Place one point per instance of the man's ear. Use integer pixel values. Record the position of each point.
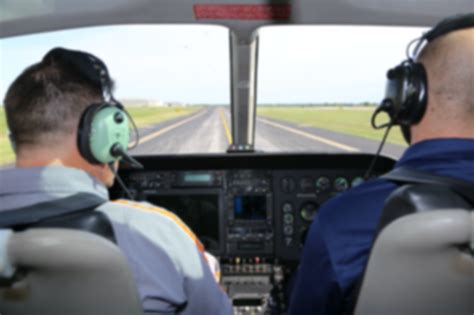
(12, 141)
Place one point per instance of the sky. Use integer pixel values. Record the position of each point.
(190, 64)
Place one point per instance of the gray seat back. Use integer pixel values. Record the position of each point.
(421, 264)
(60, 271)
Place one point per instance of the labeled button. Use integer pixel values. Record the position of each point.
(288, 230)
(288, 218)
(288, 184)
(287, 207)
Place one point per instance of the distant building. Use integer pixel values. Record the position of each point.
(176, 104)
(143, 103)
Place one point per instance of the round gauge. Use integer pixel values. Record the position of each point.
(341, 184)
(308, 211)
(306, 184)
(357, 181)
(288, 184)
(323, 183)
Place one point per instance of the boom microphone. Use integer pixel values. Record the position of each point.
(118, 151)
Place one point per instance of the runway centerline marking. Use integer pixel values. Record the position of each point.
(310, 136)
(226, 127)
(158, 133)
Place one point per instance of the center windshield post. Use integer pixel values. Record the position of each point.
(244, 54)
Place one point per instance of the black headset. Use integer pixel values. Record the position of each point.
(104, 127)
(406, 94)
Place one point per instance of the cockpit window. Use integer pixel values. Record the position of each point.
(318, 86)
(174, 80)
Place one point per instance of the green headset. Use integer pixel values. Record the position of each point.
(406, 94)
(104, 128)
(103, 133)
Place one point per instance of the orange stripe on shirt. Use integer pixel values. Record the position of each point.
(167, 214)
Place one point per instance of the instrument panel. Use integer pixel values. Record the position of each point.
(252, 211)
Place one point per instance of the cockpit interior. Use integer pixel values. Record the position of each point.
(228, 153)
(252, 211)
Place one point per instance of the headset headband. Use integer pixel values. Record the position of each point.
(448, 25)
(87, 65)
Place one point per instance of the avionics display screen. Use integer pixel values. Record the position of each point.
(250, 207)
(199, 212)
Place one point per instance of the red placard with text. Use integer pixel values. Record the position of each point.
(242, 11)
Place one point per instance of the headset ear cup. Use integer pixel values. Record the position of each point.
(419, 98)
(109, 129)
(84, 133)
(406, 93)
(415, 106)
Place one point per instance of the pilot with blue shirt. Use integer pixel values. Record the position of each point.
(442, 142)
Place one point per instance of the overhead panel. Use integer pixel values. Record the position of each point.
(427, 8)
(27, 9)
(28, 16)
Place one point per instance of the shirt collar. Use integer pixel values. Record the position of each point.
(49, 180)
(452, 148)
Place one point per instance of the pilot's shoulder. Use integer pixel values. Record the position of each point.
(158, 218)
(145, 207)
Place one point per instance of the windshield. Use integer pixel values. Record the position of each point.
(173, 79)
(316, 89)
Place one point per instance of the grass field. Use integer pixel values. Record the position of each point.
(353, 121)
(142, 115)
(152, 115)
(6, 153)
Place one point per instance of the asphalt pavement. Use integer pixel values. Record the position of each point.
(208, 131)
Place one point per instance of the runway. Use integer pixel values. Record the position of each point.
(208, 131)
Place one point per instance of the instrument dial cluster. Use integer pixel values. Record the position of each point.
(298, 196)
(248, 212)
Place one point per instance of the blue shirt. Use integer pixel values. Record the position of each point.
(340, 238)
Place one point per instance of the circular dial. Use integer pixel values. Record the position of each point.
(308, 211)
(306, 184)
(323, 183)
(357, 181)
(341, 184)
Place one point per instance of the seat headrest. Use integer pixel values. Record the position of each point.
(6, 268)
(413, 198)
